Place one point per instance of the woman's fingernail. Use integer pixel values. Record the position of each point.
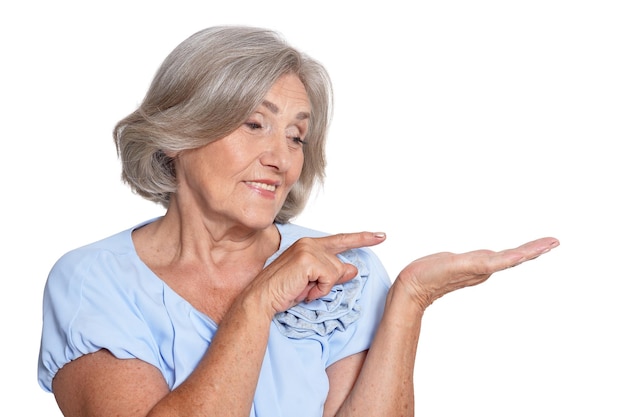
(379, 235)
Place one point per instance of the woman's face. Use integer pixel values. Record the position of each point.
(244, 178)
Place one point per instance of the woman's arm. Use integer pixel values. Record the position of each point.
(384, 386)
(100, 385)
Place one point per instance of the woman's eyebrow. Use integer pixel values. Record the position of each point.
(303, 115)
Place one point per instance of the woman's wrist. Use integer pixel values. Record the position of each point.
(406, 291)
(255, 301)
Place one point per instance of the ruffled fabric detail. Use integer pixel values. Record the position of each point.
(335, 311)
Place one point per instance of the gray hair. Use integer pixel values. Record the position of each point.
(204, 90)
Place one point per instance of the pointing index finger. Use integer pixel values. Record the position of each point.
(344, 241)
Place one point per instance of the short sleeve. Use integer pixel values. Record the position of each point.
(90, 303)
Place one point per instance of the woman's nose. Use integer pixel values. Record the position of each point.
(277, 153)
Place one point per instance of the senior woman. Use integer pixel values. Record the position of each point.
(222, 306)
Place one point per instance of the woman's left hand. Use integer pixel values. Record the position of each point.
(433, 276)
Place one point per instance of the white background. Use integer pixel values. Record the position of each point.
(458, 125)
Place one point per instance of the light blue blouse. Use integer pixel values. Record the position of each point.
(102, 296)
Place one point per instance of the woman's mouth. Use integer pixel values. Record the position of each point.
(261, 185)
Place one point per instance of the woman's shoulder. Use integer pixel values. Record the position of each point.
(115, 244)
(111, 250)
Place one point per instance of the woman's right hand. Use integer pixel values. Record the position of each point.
(309, 268)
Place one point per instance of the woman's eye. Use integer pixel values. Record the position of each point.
(253, 125)
(297, 141)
